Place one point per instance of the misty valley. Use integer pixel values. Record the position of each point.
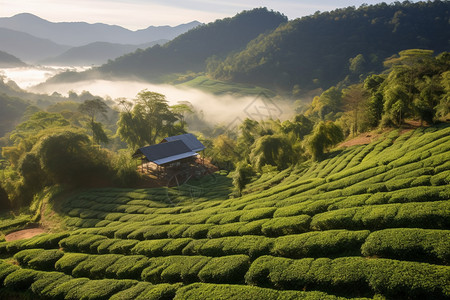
(251, 157)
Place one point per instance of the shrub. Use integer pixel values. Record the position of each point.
(225, 269)
(5, 270)
(252, 228)
(133, 292)
(127, 267)
(47, 281)
(206, 291)
(352, 276)
(320, 244)
(150, 248)
(286, 225)
(99, 289)
(198, 231)
(81, 242)
(373, 217)
(45, 260)
(257, 214)
(21, 279)
(69, 261)
(122, 246)
(416, 244)
(95, 266)
(174, 269)
(67, 289)
(225, 230)
(159, 292)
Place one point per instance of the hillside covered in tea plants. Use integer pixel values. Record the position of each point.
(369, 221)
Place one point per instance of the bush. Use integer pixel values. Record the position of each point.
(133, 292)
(225, 230)
(127, 267)
(21, 279)
(47, 281)
(69, 261)
(257, 214)
(286, 225)
(159, 292)
(373, 217)
(225, 269)
(67, 289)
(427, 245)
(352, 276)
(95, 266)
(100, 289)
(40, 260)
(81, 243)
(329, 243)
(174, 269)
(5, 270)
(208, 291)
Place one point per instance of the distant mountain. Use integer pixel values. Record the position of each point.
(81, 33)
(9, 61)
(190, 51)
(326, 48)
(95, 53)
(27, 47)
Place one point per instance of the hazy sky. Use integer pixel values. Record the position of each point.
(139, 14)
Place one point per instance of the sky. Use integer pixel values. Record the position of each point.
(139, 14)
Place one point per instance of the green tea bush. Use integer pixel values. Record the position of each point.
(198, 231)
(150, 248)
(230, 229)
(39, 259)
(225, 269)
(208, 291)
(99, 289)
(80, 242)
(21, 279)
(122, 246)
(174, 269)
(127, 267)
(250, 245)
(252, 228)
(159, 292)
(329, 243)
(133, 292)
(286, 225)
(352, 276)
(69, 261)
(5, 270)
(47, 281)
(95, 266)
(257, 214)
(68, 289)
(373, 217)
(427, 245)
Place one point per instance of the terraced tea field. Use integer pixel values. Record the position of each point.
(372, 221)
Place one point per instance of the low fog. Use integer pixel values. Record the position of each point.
(224, 110)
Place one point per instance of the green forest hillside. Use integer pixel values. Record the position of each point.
(323, 49)
(369, 221)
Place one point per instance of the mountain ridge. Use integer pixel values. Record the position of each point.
(82, 33)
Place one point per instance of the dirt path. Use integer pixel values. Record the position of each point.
(24, 234)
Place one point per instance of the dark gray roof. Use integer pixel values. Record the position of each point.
(166, 152)
(189, 139)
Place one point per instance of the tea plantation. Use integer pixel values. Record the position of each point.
(370, 222)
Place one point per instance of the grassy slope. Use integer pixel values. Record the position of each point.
(217, 87)
(370, 221)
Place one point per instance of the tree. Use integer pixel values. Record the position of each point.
(354, 99)
(146, 120)
(324, 136)
(69, 158)
(275, 150)
(92, 108)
